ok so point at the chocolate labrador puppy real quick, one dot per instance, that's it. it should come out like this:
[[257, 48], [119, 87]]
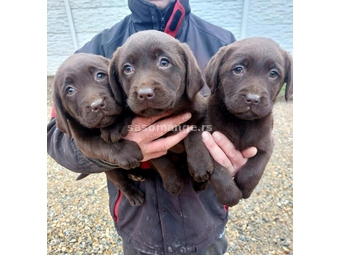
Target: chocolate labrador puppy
[[245, 78], [155, 73], [85, 106]]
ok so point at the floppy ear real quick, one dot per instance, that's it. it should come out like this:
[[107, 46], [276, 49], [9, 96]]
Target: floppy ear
[[288, 76], [213, 68], [194, 80], [61, 117], [115, 85]]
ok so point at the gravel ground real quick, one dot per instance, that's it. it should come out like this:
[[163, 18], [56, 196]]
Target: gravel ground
[[79, 222]]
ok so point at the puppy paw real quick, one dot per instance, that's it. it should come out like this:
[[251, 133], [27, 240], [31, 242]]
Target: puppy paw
[[128, 163], [110, 134], [115, 136], [246, 184], [199, 175], [136, 177], [199, 186], [174, 187], [229, 199], [135, 197], [227, 192], [201, 170], [129, 154]]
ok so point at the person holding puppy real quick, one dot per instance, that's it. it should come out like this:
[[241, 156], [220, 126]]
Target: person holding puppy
[[192, 222]]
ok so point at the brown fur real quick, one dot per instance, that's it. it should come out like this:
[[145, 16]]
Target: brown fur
[[156, 73], [245, 79], [84, 106]]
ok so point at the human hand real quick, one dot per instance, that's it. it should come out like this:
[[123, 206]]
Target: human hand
[[224, 152], [146, 132]]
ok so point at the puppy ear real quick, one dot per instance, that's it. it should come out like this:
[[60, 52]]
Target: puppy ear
[[115, 85], [61, 118], [213, 68], [193, 79], [289, 76]]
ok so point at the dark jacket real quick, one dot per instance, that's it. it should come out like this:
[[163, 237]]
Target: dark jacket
[[163, 224]]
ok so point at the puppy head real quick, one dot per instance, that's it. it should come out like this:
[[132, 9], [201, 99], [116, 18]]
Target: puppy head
[[248, 75], [81, 93], [154, 72]]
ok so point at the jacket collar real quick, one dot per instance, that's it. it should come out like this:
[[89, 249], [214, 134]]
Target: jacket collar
[[146, 15]]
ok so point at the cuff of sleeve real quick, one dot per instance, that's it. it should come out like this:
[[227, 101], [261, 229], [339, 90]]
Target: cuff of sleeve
[[104, 163]]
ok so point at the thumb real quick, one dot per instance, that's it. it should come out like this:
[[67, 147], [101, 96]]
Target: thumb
[[249, 152]]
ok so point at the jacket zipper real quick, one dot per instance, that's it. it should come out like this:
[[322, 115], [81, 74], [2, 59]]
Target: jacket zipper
[[162, 24]]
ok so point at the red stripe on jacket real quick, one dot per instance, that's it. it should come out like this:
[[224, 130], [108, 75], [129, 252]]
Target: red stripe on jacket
[[175, 20]]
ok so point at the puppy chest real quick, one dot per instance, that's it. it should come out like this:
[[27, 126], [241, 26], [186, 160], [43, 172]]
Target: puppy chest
[[246, 135]]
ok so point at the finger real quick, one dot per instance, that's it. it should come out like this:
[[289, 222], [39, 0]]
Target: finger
[[226, 145], [139, 123], [235, 156], [164, 144], [158, 129], [153, 155], [216, 152], [249, 152]]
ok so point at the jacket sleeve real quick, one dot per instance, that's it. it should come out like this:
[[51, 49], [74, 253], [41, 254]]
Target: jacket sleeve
[[65, 152]]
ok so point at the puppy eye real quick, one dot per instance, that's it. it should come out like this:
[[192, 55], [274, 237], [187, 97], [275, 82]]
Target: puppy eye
[[273, 74], [164, 62], [101, 75], [238, 70], [70, 90], [128, 69]]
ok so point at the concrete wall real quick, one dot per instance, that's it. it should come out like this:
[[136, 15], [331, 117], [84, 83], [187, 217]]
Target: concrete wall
[[71, 23]]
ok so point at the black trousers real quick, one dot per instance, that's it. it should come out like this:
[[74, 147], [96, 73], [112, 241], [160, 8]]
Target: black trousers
[[219, 247]]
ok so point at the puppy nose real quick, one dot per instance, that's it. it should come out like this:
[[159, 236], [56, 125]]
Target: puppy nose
[[145, 94], [98, 105], [252, 98]]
